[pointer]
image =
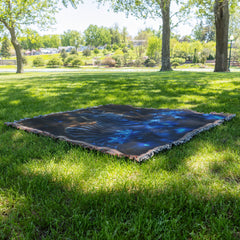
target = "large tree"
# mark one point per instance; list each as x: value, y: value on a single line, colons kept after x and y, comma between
x: 144, y: 9
x: 16, y: 15
x: 221, y: 10
x: 221, y: 13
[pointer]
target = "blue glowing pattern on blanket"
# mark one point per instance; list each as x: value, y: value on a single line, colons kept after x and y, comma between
x: 138, y: 131
x: 129, y: 130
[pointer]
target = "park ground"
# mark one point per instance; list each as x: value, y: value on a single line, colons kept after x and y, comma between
x: 53, y: 190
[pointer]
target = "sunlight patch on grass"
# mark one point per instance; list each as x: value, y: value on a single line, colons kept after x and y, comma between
x: 51, y: 189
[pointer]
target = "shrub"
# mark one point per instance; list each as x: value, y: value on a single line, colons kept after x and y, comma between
x: 138, y: 62
x: 63, y: 54
x: 76, y: 62
x: 126, y: 59
x: 115, y: 46
x: 125, y: 50
x: 86, y: 52
x: 178, y: 60
x: 131, y: 46
x: 38, y: 62
x: 96, y: 50
x: 203, y: 59
x: 119, y: 60
x: 109, y: 61
x: 68, y: 60
x: 97, y: 62
x: 105, y: 52
x: 175, y: 64
x: 74, y: 51
x: 109, y: 48
x: 150, y: 62
x: 118, y: 52
x: 73, y: 61
x: 54, y: 62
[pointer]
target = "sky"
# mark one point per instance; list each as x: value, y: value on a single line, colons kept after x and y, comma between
x: 88, y: 13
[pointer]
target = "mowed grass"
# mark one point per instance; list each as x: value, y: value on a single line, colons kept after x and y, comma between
x: 53, y: 190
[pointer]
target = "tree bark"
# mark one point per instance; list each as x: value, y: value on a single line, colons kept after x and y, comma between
x: 17, y: 48
x: 165, y: 8
x: 221, y: 12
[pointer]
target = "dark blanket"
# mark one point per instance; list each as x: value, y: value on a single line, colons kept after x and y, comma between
x: 136, y: 133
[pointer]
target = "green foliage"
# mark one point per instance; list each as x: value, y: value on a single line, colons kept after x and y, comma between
x: 96, y: 50
x: 154, y: 48
x: 205, y: 33
x: 86, y: 52
x: 119, y: 60
x: 74, y: 51
x: 234, y: 25
x: 115, y: 35
x: 77, y: 62
x: 38, y: 62
x: 97, y: 36
x: 109, y: 47
x: 145, y: 35
x: 118, y: 52
x: 124, y: 35
x: 178, y: 60
x: 68, y: 60
x: 54, y: 62
x: 126, y: 59
x: 51, y: 41
x: 63, y: 54
x: 105, y: 51
x: 115, y: 47
x: 125, y: 50
x: 150, y: 62
x: 175, y: 64
x: 5, y: 49
x: 97, y: 62
x: 31, y: 40
x: 17, y: 14
x: 109, y: 62
x: 192, y: 50
x: 138, y: 62
x: 71, y: 38
x: 73, y: 61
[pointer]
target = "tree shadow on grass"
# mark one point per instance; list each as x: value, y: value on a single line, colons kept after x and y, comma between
x: 110, y: 198
x: 44, y: 206
x: 38, y: 95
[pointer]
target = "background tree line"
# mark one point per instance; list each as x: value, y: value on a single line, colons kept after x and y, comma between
x: 17, y: 15
x: 196, y: 48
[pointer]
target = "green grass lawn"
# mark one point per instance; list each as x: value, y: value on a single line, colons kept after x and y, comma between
x: 52, y: 190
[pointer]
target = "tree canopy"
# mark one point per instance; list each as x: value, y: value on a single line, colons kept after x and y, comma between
x: 145, y: 9
x: 71, y: 38
x: 97, y: 36
x: 17, y: 15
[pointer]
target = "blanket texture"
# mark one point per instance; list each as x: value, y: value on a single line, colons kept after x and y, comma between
x: 122, y: 130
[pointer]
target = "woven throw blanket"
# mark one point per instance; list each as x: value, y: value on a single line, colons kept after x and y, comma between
x: 122, y: 130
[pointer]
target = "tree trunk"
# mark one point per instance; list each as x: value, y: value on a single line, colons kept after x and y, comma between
x: 165, y: 8
x: 221, y: 12
x: 17, y: 48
